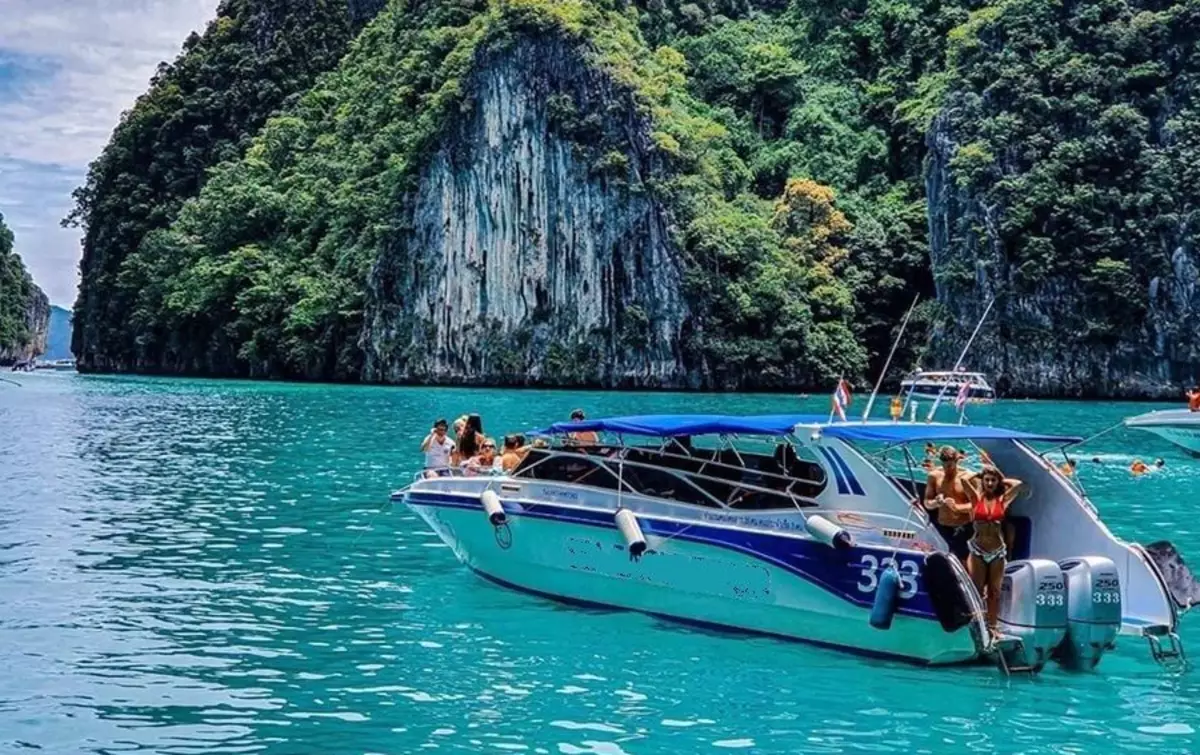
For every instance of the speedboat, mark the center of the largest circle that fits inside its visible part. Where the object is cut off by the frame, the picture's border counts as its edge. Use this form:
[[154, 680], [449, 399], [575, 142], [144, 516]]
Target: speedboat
[[794, 526], [946, 385], [1179, 426]]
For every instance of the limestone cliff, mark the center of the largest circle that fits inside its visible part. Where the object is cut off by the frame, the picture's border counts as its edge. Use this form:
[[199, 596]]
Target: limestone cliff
[[35, 323], [532, 255], [1038, 339]]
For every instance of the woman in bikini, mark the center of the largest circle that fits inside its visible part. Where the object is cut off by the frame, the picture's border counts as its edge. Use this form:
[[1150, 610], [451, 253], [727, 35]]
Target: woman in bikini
[[991, 496]]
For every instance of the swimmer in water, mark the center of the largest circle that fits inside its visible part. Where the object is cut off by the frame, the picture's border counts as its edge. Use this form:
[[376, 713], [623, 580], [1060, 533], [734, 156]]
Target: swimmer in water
[[1159, 463], [1068, 467], [1138, 467]]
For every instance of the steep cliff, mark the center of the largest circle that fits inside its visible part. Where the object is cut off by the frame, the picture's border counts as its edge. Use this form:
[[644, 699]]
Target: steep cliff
[[529, 257], [1062, 180], [200, 110], [516, 192], [24, 308]]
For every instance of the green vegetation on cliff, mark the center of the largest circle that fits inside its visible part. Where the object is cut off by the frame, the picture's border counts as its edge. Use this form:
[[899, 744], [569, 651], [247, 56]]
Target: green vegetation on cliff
[[792, 150], [17, 299], [200, 110], [1076, 127]]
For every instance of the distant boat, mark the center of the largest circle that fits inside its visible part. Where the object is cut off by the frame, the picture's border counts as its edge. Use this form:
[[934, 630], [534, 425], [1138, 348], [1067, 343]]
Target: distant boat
[[946, 385], [1178, 426], [60, 365]]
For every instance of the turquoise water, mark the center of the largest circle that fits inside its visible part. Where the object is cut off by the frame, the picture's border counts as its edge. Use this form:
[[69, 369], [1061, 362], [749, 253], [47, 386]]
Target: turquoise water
[[213, 567]]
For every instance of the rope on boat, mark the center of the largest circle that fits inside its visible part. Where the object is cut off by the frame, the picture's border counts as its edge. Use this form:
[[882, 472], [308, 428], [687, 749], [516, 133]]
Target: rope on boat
[[1088, 439]]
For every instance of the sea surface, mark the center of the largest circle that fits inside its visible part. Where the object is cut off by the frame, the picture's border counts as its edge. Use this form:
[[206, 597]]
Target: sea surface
[[192, 566]]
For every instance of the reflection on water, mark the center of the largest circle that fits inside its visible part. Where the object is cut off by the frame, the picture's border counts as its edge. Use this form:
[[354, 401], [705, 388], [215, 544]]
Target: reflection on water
[[209, 567]]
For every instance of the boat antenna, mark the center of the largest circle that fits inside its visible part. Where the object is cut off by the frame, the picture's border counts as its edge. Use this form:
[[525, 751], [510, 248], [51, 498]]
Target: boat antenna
[[961, 357], [888, 363]]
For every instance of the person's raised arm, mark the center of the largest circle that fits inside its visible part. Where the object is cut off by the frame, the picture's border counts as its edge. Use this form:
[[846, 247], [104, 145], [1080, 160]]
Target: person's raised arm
[[425, 444], [1012, 488]]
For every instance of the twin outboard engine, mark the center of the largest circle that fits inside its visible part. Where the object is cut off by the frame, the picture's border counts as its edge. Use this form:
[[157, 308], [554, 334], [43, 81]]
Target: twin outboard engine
[[1033, 610], [1069, 611], [1093, 610]]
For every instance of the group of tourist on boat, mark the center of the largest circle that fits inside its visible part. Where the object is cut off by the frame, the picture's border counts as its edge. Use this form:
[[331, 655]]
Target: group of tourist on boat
[[472, 452]]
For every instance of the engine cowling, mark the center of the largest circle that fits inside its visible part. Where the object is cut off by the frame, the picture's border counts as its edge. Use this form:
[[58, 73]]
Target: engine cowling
[[1093, 610], [1033, 609]]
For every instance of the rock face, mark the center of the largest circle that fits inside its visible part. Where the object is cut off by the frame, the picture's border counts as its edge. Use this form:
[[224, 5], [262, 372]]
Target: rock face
[[532, 254], [1034, 341], [37, 321]]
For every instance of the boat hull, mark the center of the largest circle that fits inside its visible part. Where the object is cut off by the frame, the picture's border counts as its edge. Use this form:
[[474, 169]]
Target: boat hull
[[1178, 426], [760, 582]]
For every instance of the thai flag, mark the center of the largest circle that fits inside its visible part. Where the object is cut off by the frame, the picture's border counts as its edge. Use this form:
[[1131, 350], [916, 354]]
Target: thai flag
[[841, 398], [964, 392]]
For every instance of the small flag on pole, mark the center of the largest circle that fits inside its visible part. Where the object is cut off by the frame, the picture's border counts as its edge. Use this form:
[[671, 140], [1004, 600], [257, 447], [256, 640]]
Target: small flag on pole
[[841, 398], [964, 392]]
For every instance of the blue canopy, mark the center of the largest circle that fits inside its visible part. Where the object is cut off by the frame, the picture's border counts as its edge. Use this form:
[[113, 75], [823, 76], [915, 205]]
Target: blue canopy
[[671, 425], [904, 432]]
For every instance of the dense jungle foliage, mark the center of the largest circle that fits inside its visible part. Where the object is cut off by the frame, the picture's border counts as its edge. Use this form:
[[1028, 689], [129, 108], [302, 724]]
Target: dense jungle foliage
[[16, 290], [199, 111], [795, 137]]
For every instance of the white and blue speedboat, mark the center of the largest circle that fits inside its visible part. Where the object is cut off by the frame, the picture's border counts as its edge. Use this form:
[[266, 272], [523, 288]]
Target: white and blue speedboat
[[1178, 426], [793, 526]]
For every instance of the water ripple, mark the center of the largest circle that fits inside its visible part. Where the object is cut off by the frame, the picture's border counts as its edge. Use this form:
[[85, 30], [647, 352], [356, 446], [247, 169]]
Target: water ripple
[[212, 567]]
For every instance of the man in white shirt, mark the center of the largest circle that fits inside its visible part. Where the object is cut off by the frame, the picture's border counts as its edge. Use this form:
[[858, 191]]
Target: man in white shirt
[[438, 449]]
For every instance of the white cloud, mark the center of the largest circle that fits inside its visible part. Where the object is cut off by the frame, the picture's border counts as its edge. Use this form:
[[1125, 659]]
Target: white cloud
[[68, 68]]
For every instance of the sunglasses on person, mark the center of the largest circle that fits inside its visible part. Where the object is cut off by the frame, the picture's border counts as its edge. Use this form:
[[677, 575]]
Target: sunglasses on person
[[492, 446]]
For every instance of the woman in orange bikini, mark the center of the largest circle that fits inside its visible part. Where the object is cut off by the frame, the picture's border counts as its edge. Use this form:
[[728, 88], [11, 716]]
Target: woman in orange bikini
[[991, 495]]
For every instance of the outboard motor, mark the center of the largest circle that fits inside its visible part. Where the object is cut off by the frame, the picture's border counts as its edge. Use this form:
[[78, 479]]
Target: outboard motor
[[1093, 610], [1033, 611]]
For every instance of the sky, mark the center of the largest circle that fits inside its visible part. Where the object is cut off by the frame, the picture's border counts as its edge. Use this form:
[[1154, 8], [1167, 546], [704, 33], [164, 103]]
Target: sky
[[68, 68]]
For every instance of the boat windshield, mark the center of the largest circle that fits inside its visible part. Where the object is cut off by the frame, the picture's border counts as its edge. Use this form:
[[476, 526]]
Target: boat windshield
[[773, 478]]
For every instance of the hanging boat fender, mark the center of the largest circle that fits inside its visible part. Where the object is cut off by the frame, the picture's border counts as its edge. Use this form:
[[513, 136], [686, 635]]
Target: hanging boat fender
[[827, 532], [944, 580], [491, 506], [887, 599], [631, 531]]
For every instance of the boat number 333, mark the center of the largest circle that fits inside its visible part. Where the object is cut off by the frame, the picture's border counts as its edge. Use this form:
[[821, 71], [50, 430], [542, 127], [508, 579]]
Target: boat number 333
[[871, 567]]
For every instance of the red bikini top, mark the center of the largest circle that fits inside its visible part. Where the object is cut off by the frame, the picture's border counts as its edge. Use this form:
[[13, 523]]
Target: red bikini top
[[989, 510]]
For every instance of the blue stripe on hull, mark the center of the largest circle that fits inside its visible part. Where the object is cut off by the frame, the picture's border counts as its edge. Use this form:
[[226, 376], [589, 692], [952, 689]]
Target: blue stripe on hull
[[839, 572], [723, 628]]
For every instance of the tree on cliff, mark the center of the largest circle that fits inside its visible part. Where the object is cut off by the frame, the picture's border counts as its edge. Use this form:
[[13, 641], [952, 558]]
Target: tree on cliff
[[21, 302], [200, 110]]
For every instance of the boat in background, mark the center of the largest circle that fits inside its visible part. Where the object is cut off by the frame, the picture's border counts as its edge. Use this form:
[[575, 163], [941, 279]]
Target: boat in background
[[806, 529], [1178, 426], [928, 385]]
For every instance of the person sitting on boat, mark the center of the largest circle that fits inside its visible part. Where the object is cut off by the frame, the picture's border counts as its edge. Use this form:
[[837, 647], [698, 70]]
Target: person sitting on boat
[[485, 462], [897, 408], [944, 489], [514, 452], [469, 437], [583, 437], [438, 449], [991, 494], [1193, 397]]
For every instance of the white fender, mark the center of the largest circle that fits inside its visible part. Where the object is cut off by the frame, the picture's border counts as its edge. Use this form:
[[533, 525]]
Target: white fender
[[491, 505], [627, 523], [826, 531]]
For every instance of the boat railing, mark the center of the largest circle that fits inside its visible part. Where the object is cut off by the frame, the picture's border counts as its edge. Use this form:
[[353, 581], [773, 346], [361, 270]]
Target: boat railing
[[616, 464]]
